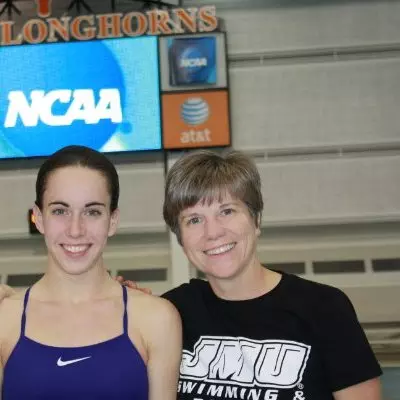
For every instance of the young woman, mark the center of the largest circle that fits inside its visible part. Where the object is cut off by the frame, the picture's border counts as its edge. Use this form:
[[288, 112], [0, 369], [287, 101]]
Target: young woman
[[76, 333]]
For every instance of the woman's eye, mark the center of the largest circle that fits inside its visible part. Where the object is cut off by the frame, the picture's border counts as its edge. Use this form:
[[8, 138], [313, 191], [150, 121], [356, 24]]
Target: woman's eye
[[227, 211], [193, 221], [59, 211], [93, 213]]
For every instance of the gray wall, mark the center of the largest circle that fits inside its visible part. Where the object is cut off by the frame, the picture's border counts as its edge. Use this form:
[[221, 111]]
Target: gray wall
[[315, 92], [314, 95]]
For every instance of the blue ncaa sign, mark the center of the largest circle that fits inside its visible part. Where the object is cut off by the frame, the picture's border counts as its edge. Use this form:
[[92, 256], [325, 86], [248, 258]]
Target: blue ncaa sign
[[57, 94], [192, 61]]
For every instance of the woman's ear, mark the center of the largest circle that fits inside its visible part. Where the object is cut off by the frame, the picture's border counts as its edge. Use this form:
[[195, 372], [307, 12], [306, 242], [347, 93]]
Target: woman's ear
[[114, 222], [38, 218], [258, 224]]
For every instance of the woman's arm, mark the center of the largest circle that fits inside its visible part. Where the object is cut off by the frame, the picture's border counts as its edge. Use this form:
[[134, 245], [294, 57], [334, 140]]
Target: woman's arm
[[351, 368], [1, 377], [2, 335], [10, 325], [368, 390], [164, 340]]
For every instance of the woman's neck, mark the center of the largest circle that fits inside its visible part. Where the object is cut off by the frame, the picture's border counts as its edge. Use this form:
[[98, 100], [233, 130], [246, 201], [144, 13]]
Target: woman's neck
[[56, 285], [251, 283]]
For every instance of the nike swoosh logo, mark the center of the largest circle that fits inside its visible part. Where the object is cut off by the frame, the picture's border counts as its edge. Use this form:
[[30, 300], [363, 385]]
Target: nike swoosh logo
[[62, 363]]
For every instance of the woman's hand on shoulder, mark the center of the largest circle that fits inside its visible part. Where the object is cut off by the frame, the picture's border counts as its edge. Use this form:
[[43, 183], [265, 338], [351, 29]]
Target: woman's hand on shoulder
[[6, 291], [131, 284]]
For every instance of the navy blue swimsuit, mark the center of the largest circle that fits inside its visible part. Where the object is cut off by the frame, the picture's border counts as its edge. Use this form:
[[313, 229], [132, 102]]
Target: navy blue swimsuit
[[110, 370]]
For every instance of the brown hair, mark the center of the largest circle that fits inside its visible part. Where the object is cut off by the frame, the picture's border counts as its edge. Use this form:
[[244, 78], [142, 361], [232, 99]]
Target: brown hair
[[81, 156], [206, 176]]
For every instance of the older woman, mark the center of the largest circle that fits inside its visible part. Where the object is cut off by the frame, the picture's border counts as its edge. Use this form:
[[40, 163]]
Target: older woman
[[250, 332]]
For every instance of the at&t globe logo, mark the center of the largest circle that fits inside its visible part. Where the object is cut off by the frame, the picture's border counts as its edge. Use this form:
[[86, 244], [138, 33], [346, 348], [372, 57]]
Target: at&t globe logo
[[195, 111]]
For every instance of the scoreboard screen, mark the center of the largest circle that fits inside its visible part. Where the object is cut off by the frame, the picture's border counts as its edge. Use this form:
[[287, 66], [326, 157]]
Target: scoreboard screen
[[103, 94]]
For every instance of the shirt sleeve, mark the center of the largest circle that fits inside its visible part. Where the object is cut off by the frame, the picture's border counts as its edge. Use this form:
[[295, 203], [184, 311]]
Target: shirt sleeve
[[346, 353], [178, 296]]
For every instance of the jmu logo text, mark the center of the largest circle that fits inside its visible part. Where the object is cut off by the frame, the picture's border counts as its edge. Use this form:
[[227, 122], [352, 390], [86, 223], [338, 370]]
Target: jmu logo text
[[245, 362]]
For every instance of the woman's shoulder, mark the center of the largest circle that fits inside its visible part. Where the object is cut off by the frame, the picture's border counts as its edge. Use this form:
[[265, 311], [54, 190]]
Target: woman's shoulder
[[310, 289], [149, 315], [150, 306], [13, 302], [322, 299], [10, 312]]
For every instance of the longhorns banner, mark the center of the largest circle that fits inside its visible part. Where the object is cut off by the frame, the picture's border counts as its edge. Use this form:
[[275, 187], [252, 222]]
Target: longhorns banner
[[47, 29]]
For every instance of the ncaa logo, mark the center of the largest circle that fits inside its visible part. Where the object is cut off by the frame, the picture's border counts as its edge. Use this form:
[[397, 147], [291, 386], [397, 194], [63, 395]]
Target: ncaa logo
[[193, 60], [195, 111], [56, 95]]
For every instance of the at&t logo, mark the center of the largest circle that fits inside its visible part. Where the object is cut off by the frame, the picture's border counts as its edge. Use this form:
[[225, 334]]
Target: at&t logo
[[195, 111]]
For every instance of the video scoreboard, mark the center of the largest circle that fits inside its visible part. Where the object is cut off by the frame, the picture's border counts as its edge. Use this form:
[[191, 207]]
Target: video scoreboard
[[115, 95]]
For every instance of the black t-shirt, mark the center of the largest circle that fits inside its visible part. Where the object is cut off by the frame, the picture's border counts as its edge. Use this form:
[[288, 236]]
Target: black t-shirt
[[300, 341]]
